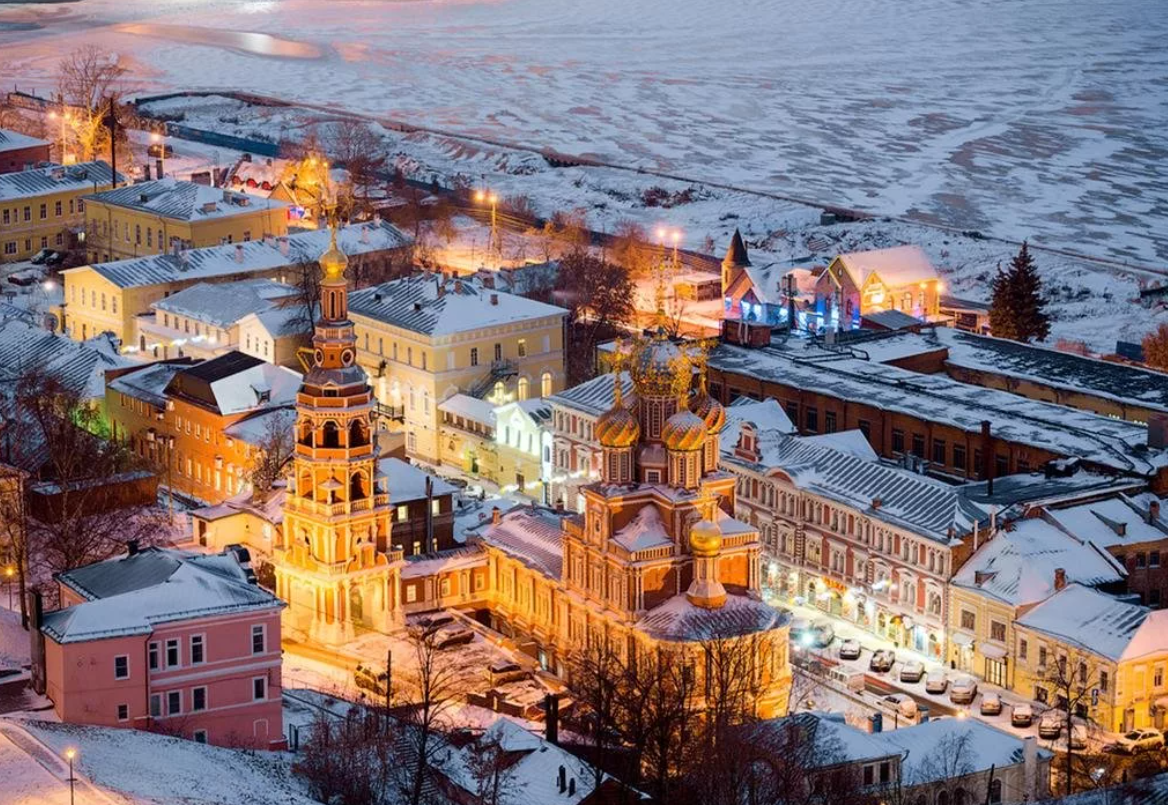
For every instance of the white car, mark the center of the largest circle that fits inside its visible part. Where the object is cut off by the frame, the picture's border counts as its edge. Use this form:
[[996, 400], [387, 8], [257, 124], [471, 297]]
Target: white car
[[849, 649], [1137, 741], [1050, 724], [936, 681], [991, 704], [822, 632], [1078, 736], [903, 705], [882, 661], [1022, 715], [963, 690], [912, 671]]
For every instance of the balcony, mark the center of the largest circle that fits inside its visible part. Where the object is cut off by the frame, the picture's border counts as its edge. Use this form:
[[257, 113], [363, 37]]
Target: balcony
[[394, 413]]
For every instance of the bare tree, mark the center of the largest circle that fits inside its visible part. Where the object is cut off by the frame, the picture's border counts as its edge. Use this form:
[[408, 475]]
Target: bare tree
[[348, 760], [632, 249], [354, 144], [492, 771], [14, 530], [434, 688], [946, 766], [271, 454], [599, 298], [1072, 680], [90, 80]]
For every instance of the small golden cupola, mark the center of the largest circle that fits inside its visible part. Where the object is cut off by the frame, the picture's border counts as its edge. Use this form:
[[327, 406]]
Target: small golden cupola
[[713, 413], [618, 432], [705, 543], [684, 436]]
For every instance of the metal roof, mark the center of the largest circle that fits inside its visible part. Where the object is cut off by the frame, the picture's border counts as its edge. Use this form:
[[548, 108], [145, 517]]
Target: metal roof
[[12, 140], [55, 179], [184, 201], [592, 397]]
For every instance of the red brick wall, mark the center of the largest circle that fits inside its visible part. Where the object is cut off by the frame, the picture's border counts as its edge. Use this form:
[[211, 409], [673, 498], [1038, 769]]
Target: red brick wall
[[19, 159]]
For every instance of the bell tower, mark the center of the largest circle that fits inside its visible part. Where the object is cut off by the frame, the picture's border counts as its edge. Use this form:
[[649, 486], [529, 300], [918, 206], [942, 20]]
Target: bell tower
[[334, 564]]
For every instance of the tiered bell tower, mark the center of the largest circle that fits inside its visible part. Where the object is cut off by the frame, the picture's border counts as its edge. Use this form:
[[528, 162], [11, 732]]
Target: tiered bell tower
[[335, 566]]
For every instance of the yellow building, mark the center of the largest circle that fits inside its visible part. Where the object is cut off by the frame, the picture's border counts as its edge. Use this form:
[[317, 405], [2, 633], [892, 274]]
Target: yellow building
[[43, 208], [425, 338], [1011, 572], [523, 443], [112, 297], [1110, 655], [468, 436], [167, 215]]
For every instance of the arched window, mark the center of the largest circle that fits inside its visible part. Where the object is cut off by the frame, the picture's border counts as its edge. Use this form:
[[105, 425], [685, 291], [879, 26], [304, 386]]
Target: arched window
[[357, 487], [943, 798], [330, 435], [995, 790], [523, 388], [545, 385], [500, 391], [357, 434]]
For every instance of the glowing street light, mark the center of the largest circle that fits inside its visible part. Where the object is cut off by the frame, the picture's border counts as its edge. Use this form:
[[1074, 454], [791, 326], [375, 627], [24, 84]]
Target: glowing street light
[[160, 140], [64, 118], [9, 572], [70, 753], [489, 197]]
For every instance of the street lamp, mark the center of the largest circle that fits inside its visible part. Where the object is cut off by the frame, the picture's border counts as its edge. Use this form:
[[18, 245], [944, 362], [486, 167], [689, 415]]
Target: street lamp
[[9, 572], [64, 118], [70, 753], [488, 197], [160, 139]]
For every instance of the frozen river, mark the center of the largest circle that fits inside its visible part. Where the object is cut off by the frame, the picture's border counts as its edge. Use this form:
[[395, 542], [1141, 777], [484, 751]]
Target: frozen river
[[1043, 118]]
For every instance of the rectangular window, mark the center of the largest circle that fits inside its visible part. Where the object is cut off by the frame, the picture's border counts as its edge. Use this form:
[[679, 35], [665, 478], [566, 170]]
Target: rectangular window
[[522, 347], [174, 702], [474, 356], [155, 705], [122, 666], [865, 428], [1157, 677], [44, 211], [1103, 681], [123, 712], [1141, 559], [197, 649], [1154, 559], [897, 441], [829, 422], [1042, 656], [968, 620], [153, 655], [869, 775], [258, 638], [498, 352], [57, 209], [959, 456], [940, 454], [435, 506], [1001, 465], [918, 445], [403, 513], [198, 699], [812, 418], [200, 736], [172, 656], [259, 688], [1022, 649], [998, 631]]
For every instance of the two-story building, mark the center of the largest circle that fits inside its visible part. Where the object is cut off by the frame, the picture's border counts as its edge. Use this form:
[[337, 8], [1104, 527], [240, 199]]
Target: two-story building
[[168, 215], [575, 449], [114, 297], [423, 508], [524, 447], [44, 208], [202, 424], [170, 642], [425, 338], [19, 152]]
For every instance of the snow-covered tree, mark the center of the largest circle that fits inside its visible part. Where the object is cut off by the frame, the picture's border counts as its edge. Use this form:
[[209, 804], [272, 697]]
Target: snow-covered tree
[[1017, 307]]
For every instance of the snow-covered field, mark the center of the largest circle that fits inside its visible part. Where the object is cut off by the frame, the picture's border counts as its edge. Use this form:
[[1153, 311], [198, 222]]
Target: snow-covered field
[[1040, 119]]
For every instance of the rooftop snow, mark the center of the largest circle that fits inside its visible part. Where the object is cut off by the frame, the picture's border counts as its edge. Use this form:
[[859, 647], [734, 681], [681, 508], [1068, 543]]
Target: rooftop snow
[[982, 747], [431, 564], [234, 383], [78, 366], [469, 407], [247, 258], [1107, 442], [1111, 522], [833, 740], [592, 397], [1018, 566], [54, 179], [185, 201], [901, 265], [223, 305], [148, 383], [852, 442], [768, 417], [437, 307], [407, 482], [255, 429], [1094, 621], [643, 532], [12, 140], [678, 620], [533, 536]]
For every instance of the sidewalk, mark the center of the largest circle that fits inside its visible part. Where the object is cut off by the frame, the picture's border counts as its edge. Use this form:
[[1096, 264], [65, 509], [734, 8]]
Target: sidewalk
[[45, 781]]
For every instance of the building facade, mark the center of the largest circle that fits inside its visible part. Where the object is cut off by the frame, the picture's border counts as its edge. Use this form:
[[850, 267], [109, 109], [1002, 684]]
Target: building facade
[[44, 208], [19, 152], [575, 450], [168, 642]]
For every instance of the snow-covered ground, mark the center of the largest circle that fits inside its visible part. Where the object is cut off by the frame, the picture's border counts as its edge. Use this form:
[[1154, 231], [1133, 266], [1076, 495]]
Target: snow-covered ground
[[1040, 119]]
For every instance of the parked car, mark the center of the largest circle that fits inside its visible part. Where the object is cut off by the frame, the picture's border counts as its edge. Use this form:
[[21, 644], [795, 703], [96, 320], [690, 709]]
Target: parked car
[[850, 649], [56, 258], [991, 704], [936, 681], [22, 280], [822, 633], [371, 679], [912, 671], [882, 661], [1078, 736], [1022, 715], [799, 627], [40, 257], [903, 705], [1050, 724], [1137, 741], [963, 690]]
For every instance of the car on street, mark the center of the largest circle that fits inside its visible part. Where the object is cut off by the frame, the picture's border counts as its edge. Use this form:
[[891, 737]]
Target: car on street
[[912, 671], [963, 690], [849, 649], [799, 627], [40, 257], [1078, 736], [882, 661], [822, 633], [1136, 741], [903, 705], [936, 681], [1050, 724], [991, 704], [1022, 715]]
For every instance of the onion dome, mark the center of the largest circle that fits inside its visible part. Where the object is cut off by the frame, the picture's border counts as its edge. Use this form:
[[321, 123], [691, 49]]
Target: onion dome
[[334, 261], [656, 367], [705, 538], [617, 427], [684, 431], [712, 412]]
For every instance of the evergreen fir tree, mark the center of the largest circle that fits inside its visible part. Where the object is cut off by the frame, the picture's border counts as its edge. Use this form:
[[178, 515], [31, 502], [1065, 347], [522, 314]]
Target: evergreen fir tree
[[1032, 321], [1003, 310]]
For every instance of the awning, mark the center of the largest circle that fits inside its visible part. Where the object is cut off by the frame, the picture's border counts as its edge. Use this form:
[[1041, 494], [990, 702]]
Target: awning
[[962, 639], [990, 650]]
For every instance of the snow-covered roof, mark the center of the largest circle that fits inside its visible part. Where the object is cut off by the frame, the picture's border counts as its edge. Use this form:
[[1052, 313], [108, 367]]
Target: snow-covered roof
[[469, 407], [1094, 621], [644, 531], [852, 442], [435, 306], [180, 200], [54, 179], [1110, 522], [1103, 441], [522, 280], [826, 737], [678, 620], [78, 366], [407, 482], [175, 587], [1018, 565], [981, 746], [534, 536], [900, 265], [235, 383], [282, 320], [892, 494], [592, 397], [251, 257], [148, 383], [255, 429], [425, 565], [13, 140], [892, 319], [122, 574], [223, 305], [271, 508], [769, 419]]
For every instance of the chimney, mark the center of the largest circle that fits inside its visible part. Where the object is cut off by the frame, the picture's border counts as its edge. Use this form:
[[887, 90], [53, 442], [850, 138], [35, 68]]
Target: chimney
[[551, 707], [364, 234], [1060, 578], [1153, 511], [495, 299], [146, 171], [284, 245], [239, 252], [457, 285], [562, 779], [1030, 768], [877, 503], [876, 723], [496, 516], [572, 787], [987, 456], [158, 167], [132, 547]]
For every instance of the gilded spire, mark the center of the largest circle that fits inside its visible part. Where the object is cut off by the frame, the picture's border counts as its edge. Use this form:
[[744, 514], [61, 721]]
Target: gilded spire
[[334, 261]]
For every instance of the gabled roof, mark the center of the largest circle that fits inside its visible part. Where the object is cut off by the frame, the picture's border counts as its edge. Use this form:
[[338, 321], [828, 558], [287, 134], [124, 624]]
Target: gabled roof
[[224, 304], [148, 383], [1096, 622], [13, 140], [468, 407], [982, 747], [122, 574], [78, 366], [643, 532], [436, 307], [900, 265], [234, 383], [679, 620], [55, 179], [1018, 565], [139, 595], [1110, 522], [185, 201], [827, 739], [407, 482], [769, 419], [533, 536], [592, 397]]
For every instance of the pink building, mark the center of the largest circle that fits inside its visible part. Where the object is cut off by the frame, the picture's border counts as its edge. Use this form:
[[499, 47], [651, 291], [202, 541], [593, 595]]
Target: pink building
[[171, 642]]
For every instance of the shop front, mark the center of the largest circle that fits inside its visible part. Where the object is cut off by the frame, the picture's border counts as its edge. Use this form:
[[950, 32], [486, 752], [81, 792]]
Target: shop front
[[996, 664]]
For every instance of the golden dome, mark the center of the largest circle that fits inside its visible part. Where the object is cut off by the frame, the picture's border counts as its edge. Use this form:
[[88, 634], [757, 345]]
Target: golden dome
[[659, 367], [705, 538], [334, 261], [684, 431], [712, 412], [617, 427]]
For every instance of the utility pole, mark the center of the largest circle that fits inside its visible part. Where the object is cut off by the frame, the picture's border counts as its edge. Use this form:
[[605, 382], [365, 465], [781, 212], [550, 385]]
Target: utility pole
[[110, 121]]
